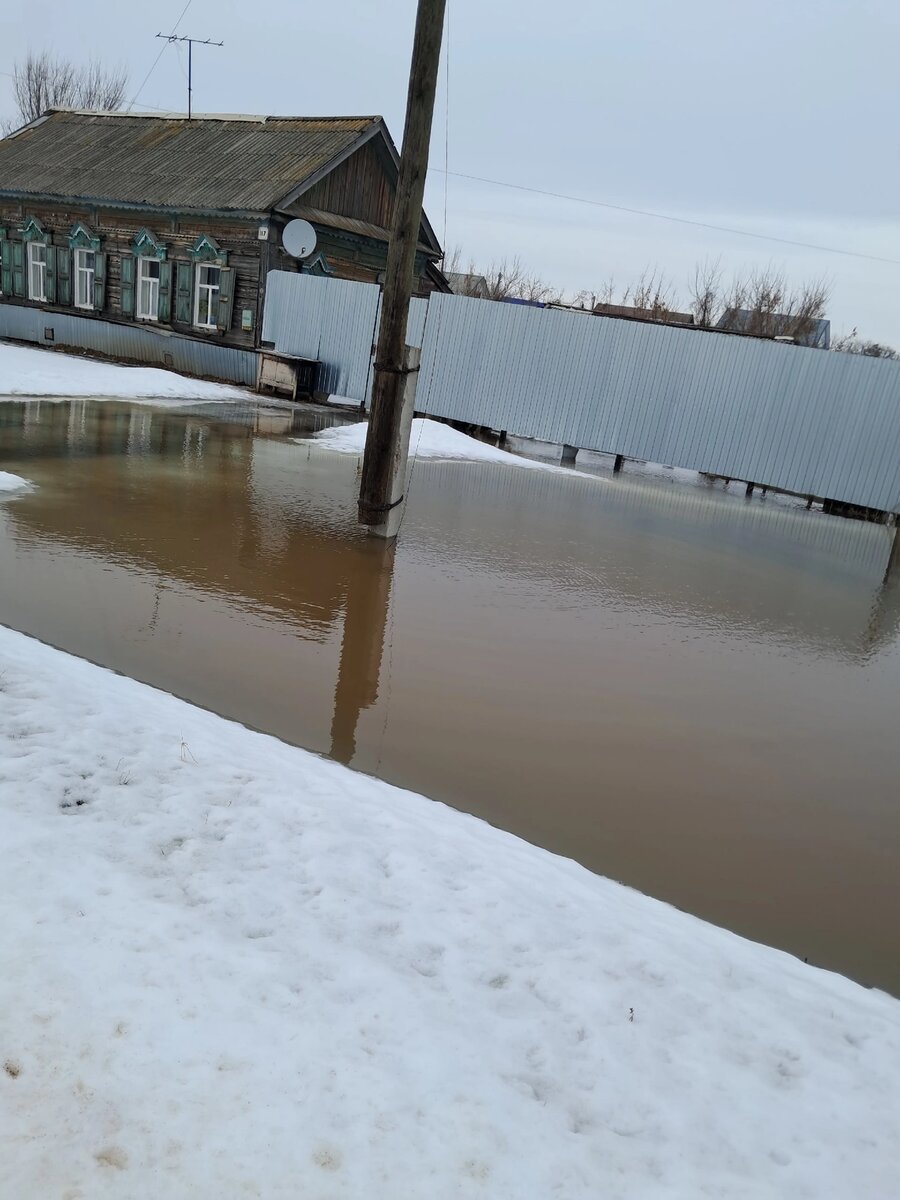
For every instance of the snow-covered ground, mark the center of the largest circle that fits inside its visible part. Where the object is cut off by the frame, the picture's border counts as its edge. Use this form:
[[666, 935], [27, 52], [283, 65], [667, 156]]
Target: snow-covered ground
[[12, 483], [230, 968], [26, 371], [428, 439]]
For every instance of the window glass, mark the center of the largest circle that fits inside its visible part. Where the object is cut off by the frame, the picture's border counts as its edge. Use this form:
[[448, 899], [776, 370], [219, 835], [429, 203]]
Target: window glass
[[206, 301], [37, 271], [148, 289], [84, 278]]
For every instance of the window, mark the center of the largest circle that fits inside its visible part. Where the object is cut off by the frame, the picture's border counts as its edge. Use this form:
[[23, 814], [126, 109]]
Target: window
[[37, 271], [148, 289], [206, 298], [84, 278]]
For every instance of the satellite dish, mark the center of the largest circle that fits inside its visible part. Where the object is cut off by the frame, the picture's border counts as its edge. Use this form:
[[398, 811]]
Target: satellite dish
[[299, 239]]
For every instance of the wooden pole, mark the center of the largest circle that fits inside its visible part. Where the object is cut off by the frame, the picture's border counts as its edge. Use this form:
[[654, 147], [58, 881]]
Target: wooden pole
[[387, 438]]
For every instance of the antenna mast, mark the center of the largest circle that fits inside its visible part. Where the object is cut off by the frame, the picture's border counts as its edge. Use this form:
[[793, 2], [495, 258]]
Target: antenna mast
[[171, 37]]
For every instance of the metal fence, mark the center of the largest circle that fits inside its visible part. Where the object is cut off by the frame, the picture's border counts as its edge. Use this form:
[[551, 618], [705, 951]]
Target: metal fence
[[807, 421], [335, 321], [157, 347]]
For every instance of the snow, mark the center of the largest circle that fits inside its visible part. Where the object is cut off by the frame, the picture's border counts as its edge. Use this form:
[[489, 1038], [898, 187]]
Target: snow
[[12, 483], [231, 968], [26, 371], [428, 439]]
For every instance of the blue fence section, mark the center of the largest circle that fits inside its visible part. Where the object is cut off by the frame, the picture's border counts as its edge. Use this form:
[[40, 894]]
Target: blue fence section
[[156, 347]]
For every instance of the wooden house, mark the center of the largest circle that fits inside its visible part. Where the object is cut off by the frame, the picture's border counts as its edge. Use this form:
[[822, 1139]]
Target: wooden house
[[173, 223]]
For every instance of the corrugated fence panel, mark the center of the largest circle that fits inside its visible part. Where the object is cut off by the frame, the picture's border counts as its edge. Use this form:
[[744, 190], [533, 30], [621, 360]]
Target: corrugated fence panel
[[332, 320], [808, 421], [188, 355], [805, 420]]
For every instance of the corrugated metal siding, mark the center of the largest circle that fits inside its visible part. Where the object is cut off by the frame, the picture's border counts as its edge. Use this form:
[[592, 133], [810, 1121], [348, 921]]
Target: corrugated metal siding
[[191, 357], [804, 420], [335, 321], [329, 319], [808, 421]]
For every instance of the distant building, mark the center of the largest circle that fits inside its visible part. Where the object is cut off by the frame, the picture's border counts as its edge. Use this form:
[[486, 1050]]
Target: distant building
[[814, 331], [465, 284], [631, 313]]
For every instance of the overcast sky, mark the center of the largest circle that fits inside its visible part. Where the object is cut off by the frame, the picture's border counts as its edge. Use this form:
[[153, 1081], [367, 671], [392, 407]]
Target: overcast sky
[[778, 117]]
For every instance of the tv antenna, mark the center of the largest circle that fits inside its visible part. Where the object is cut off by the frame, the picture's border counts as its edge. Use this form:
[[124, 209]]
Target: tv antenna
[[171, 37]]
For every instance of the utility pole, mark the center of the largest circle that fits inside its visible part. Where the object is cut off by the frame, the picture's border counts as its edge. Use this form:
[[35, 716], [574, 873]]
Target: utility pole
[[170, 37], [396, 364]]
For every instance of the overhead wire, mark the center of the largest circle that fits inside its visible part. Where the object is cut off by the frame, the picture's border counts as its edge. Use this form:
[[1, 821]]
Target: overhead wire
[[643, 212], [446, 125], [158, 57]]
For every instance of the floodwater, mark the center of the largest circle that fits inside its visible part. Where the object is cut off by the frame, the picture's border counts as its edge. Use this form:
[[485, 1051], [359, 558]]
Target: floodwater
[[685, 690]]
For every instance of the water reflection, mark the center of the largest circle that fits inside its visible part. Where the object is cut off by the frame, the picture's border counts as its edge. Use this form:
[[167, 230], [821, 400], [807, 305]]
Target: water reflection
[[368, 599], [681, 689], [236, 515]]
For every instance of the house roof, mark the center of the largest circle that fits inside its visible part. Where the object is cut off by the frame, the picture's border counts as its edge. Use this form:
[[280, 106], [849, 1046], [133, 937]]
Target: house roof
[[634, 313], [810, 331], [209, 163], [465, 283]]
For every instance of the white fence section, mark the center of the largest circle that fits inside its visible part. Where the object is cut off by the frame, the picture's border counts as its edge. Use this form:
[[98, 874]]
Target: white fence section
[[335, 321], [815, 422]]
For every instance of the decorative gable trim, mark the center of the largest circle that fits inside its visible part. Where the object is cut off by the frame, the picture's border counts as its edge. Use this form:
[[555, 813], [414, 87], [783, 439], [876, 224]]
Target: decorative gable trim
[[317, 265], [207, 250], [147, 245], [33, 231], [83, 238]]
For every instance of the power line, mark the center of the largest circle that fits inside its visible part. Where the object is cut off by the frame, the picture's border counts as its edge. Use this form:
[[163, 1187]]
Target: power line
[[642, 212], [446, 123], [158, 57]]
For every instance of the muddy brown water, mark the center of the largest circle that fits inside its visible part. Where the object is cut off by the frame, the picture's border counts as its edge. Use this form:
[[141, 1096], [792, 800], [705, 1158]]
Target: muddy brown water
[[690, 692]]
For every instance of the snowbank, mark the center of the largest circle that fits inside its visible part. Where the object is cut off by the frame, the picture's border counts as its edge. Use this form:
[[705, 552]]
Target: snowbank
[[230, 968], [12, 483], [25, 371], [429, 439]]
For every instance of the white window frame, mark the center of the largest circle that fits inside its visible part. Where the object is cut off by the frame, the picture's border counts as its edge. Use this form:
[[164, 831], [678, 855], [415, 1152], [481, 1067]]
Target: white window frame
[[37, 263], [212, 298], [153, 289], [80, 271]]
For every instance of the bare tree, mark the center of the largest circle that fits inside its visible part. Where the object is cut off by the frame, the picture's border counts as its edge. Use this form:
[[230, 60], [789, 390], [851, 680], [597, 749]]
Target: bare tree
[[42, 82], [504, 278], [101, 88], [706, 292], [603, 295], [852, 343], [653, 294], [532, 287], [763, 304]]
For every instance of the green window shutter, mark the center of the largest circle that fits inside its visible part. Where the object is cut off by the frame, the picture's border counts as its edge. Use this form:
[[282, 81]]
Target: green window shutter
[[99, 282], [126, 293], [226, 299], [18, 269], [6, 267], [184, 281], [164, 313], [50, 276], [63, 276]]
